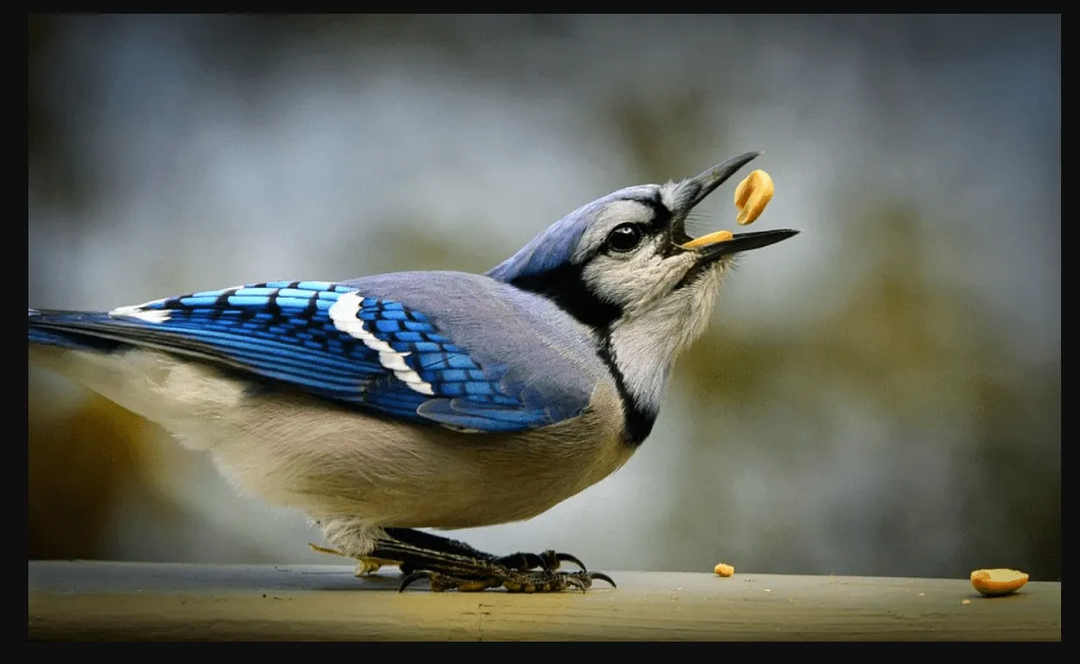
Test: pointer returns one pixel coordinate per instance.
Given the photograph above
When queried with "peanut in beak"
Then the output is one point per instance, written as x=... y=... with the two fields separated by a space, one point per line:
x=711 y=238
x=751 y=197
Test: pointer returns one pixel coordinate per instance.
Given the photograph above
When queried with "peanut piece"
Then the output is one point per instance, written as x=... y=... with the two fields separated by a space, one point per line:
x=724 y=570
x=1000 y=581
x=752 y=195
x=711 y=238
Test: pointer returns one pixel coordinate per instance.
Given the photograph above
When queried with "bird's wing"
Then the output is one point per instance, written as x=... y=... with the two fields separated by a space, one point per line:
x=333 y=341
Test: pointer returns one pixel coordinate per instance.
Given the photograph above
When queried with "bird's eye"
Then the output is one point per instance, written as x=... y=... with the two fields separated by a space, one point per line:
x=624 y=237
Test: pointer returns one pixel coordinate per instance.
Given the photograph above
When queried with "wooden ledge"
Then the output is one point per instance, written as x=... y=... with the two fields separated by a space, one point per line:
x=143 y=602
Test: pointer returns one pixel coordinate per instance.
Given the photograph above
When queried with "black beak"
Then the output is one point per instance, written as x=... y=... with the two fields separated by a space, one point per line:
x=741 y=242
x=697 y=188
x=694 y=190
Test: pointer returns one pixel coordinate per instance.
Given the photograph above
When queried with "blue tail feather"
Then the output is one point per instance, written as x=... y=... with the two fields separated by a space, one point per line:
x=42 y=332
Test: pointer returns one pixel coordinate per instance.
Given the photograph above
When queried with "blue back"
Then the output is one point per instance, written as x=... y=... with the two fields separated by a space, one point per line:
x=452 y=348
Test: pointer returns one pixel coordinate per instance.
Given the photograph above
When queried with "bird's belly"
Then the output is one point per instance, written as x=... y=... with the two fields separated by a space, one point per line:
x=337 y=462
x=296 y=451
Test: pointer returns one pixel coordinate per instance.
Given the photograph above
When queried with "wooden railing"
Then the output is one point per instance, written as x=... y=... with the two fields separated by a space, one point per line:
x=126 y=601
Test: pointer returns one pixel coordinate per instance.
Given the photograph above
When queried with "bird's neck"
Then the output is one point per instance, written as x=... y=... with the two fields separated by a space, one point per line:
x=641 y=350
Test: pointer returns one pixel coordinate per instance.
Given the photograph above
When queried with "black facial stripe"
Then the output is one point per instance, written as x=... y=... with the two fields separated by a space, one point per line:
x=565 y=287
x=638 y=420
x=660 y=223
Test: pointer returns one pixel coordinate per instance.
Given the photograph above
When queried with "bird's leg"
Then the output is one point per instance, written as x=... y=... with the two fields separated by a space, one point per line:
x=450 y=564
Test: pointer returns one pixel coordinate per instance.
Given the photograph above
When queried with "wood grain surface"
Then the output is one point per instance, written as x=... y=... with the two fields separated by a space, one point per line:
x=125 y=601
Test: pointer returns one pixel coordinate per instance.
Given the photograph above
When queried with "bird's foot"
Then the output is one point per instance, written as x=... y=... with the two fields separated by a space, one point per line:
x=450 y=564
x=515 y=581
x=549 y=561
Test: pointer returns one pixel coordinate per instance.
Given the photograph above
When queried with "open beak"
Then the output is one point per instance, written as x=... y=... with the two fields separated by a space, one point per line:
x=722 y=243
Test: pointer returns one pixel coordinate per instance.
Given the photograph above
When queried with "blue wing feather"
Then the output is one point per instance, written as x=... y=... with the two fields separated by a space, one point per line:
x=399 y=362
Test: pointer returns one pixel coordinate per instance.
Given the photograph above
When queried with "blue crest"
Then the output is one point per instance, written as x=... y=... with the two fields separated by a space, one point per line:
x=556 y=244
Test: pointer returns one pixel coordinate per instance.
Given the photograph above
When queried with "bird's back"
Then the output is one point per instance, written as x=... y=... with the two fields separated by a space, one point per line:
x=500 y=324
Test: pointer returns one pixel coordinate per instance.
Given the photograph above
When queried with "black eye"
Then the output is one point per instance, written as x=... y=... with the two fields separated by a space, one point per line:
x=624 y=237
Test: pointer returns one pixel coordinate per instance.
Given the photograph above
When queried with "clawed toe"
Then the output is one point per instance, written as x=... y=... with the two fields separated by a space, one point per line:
x=552 y=582
x=548 y=561
x=413 y=577
x=451 y=565
x=443 y=582
x=567 y=558
x=543 y=581
x=602 y=577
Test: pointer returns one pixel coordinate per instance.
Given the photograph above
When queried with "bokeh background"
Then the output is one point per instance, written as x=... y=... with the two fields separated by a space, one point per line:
x=880 y=395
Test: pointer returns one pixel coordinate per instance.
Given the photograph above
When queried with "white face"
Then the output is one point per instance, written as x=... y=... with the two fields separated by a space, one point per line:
x=629 y=260
x=640 y=274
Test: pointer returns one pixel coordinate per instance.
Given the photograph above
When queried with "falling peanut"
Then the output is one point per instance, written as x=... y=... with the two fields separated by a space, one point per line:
x=752 y=195
x=1000 y=581
x=724 y=569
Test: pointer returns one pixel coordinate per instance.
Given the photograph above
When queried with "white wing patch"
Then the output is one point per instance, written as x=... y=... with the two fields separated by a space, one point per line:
x=343 y=313
x=138 y=311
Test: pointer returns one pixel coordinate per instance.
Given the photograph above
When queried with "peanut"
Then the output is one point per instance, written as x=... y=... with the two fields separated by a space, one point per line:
x=1000 y=581
x=752 y=195
x=724 y=570
x=718 y=236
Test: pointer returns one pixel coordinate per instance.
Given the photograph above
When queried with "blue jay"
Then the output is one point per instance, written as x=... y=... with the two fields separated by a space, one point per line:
x=441 y=400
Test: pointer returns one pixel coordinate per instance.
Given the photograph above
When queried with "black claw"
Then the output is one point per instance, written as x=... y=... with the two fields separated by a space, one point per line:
x=412 y=578
x=530 y=561
x=602 y=577
x=548 y=561
x=521 y=561
x=514 y=581
x=451 y=565
x=567 y=558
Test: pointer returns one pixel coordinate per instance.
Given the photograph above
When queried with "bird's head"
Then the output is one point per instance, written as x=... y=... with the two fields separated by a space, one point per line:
x=622 y=265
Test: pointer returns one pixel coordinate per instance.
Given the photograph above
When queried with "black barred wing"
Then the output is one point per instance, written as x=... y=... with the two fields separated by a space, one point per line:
x=327 y=339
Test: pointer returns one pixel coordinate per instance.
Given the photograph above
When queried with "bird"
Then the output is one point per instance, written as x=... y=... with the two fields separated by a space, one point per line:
x=387 y=406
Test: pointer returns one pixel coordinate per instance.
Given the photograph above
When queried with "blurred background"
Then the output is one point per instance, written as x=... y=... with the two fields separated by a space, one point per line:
x=879 y=396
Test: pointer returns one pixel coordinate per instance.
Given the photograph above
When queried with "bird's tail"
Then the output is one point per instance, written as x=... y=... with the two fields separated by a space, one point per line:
x=69 y=329
x=89 y=349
